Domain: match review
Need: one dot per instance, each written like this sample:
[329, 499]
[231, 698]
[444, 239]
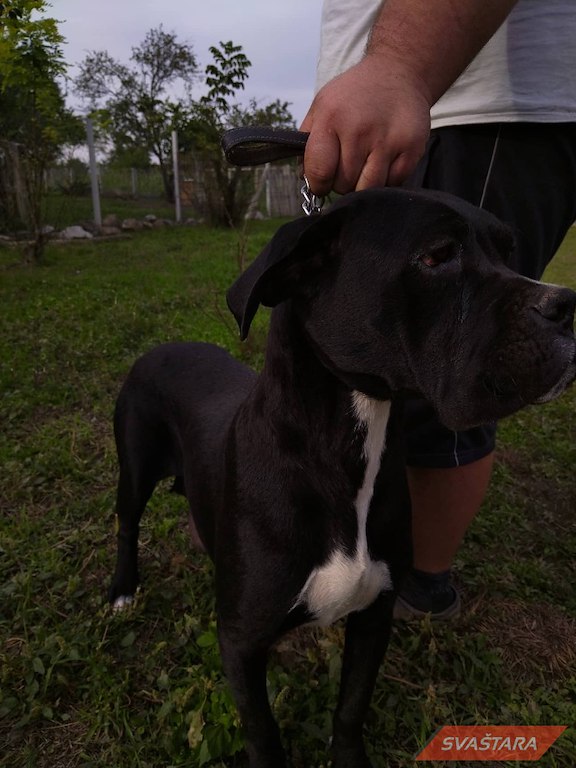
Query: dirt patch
[532, 637]
[555, 500]
[50, 745]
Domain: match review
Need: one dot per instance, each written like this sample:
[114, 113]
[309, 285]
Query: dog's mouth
[503, 395]
[502, 387]
[505, 388]
[565, 380]
[532, 377]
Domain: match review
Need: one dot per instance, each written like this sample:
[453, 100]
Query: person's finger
[321, 160]
[354, 152]
[402, 167]
[375, 171]
[391, 162]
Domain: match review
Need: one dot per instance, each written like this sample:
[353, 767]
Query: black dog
[295, 477]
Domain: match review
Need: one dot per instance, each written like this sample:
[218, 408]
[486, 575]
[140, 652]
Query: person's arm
[369, 126]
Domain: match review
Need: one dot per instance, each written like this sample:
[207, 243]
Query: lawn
[82, 687]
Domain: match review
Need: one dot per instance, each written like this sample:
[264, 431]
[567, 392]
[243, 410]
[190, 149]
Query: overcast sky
[280, 37]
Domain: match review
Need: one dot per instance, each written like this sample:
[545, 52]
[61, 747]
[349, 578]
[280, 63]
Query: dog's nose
[558, 305]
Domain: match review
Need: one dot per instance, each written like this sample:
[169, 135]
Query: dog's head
[402, 291]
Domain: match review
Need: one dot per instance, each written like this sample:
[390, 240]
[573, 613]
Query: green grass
[81, 687]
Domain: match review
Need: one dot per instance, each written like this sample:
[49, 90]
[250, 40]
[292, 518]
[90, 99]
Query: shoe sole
[403, 611]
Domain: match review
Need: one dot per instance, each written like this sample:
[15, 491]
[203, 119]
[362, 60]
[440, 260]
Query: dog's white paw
[122, 603]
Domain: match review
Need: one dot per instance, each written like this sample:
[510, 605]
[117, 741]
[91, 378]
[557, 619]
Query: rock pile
[113, 225]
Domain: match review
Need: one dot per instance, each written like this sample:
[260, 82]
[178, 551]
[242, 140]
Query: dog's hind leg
[367, 635]
[130, 504]
[139, 453]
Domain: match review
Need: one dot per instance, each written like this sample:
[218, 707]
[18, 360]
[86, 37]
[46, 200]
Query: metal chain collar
[312, 204]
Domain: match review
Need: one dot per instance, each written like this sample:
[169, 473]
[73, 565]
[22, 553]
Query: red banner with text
[497, 742]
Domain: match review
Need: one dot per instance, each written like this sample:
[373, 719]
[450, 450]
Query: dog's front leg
[245, 668]
[367, 635]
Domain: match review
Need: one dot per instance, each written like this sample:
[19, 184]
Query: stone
[111, 220]
[150, 217]
[132, 225]
[110, 231]
[89, 226]
[75, 233]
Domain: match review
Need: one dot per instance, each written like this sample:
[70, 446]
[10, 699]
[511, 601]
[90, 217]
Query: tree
[33, 115]
[9, 10]
[228, 198]
[130, 103]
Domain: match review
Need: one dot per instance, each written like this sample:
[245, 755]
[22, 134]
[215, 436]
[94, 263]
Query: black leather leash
[257, 145]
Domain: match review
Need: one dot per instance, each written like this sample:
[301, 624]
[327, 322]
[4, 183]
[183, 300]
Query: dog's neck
[294, 377]
[311, 413]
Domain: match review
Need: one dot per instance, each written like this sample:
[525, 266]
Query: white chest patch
[350, 583]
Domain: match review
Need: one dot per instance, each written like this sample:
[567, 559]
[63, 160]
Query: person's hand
[368, 127]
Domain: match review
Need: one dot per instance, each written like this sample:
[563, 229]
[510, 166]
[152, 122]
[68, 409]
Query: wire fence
[269, 191]
[113, 182]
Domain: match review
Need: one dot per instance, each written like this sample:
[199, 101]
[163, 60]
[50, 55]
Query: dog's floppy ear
[295, 253]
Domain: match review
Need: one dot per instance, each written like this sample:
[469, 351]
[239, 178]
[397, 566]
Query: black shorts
[524, 173]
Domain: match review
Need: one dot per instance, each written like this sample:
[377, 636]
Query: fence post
[176, 177]
[134, 181]
[93, 174]
[260, 183]
[268, 192]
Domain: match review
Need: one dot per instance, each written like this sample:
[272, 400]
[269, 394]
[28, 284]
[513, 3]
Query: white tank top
[526, 72]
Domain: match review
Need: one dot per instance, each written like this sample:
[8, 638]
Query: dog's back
[176, 390]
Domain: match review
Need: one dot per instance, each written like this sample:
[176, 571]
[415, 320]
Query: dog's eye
[439, 253]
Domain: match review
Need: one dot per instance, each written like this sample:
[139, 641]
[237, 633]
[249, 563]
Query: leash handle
[258, 145]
